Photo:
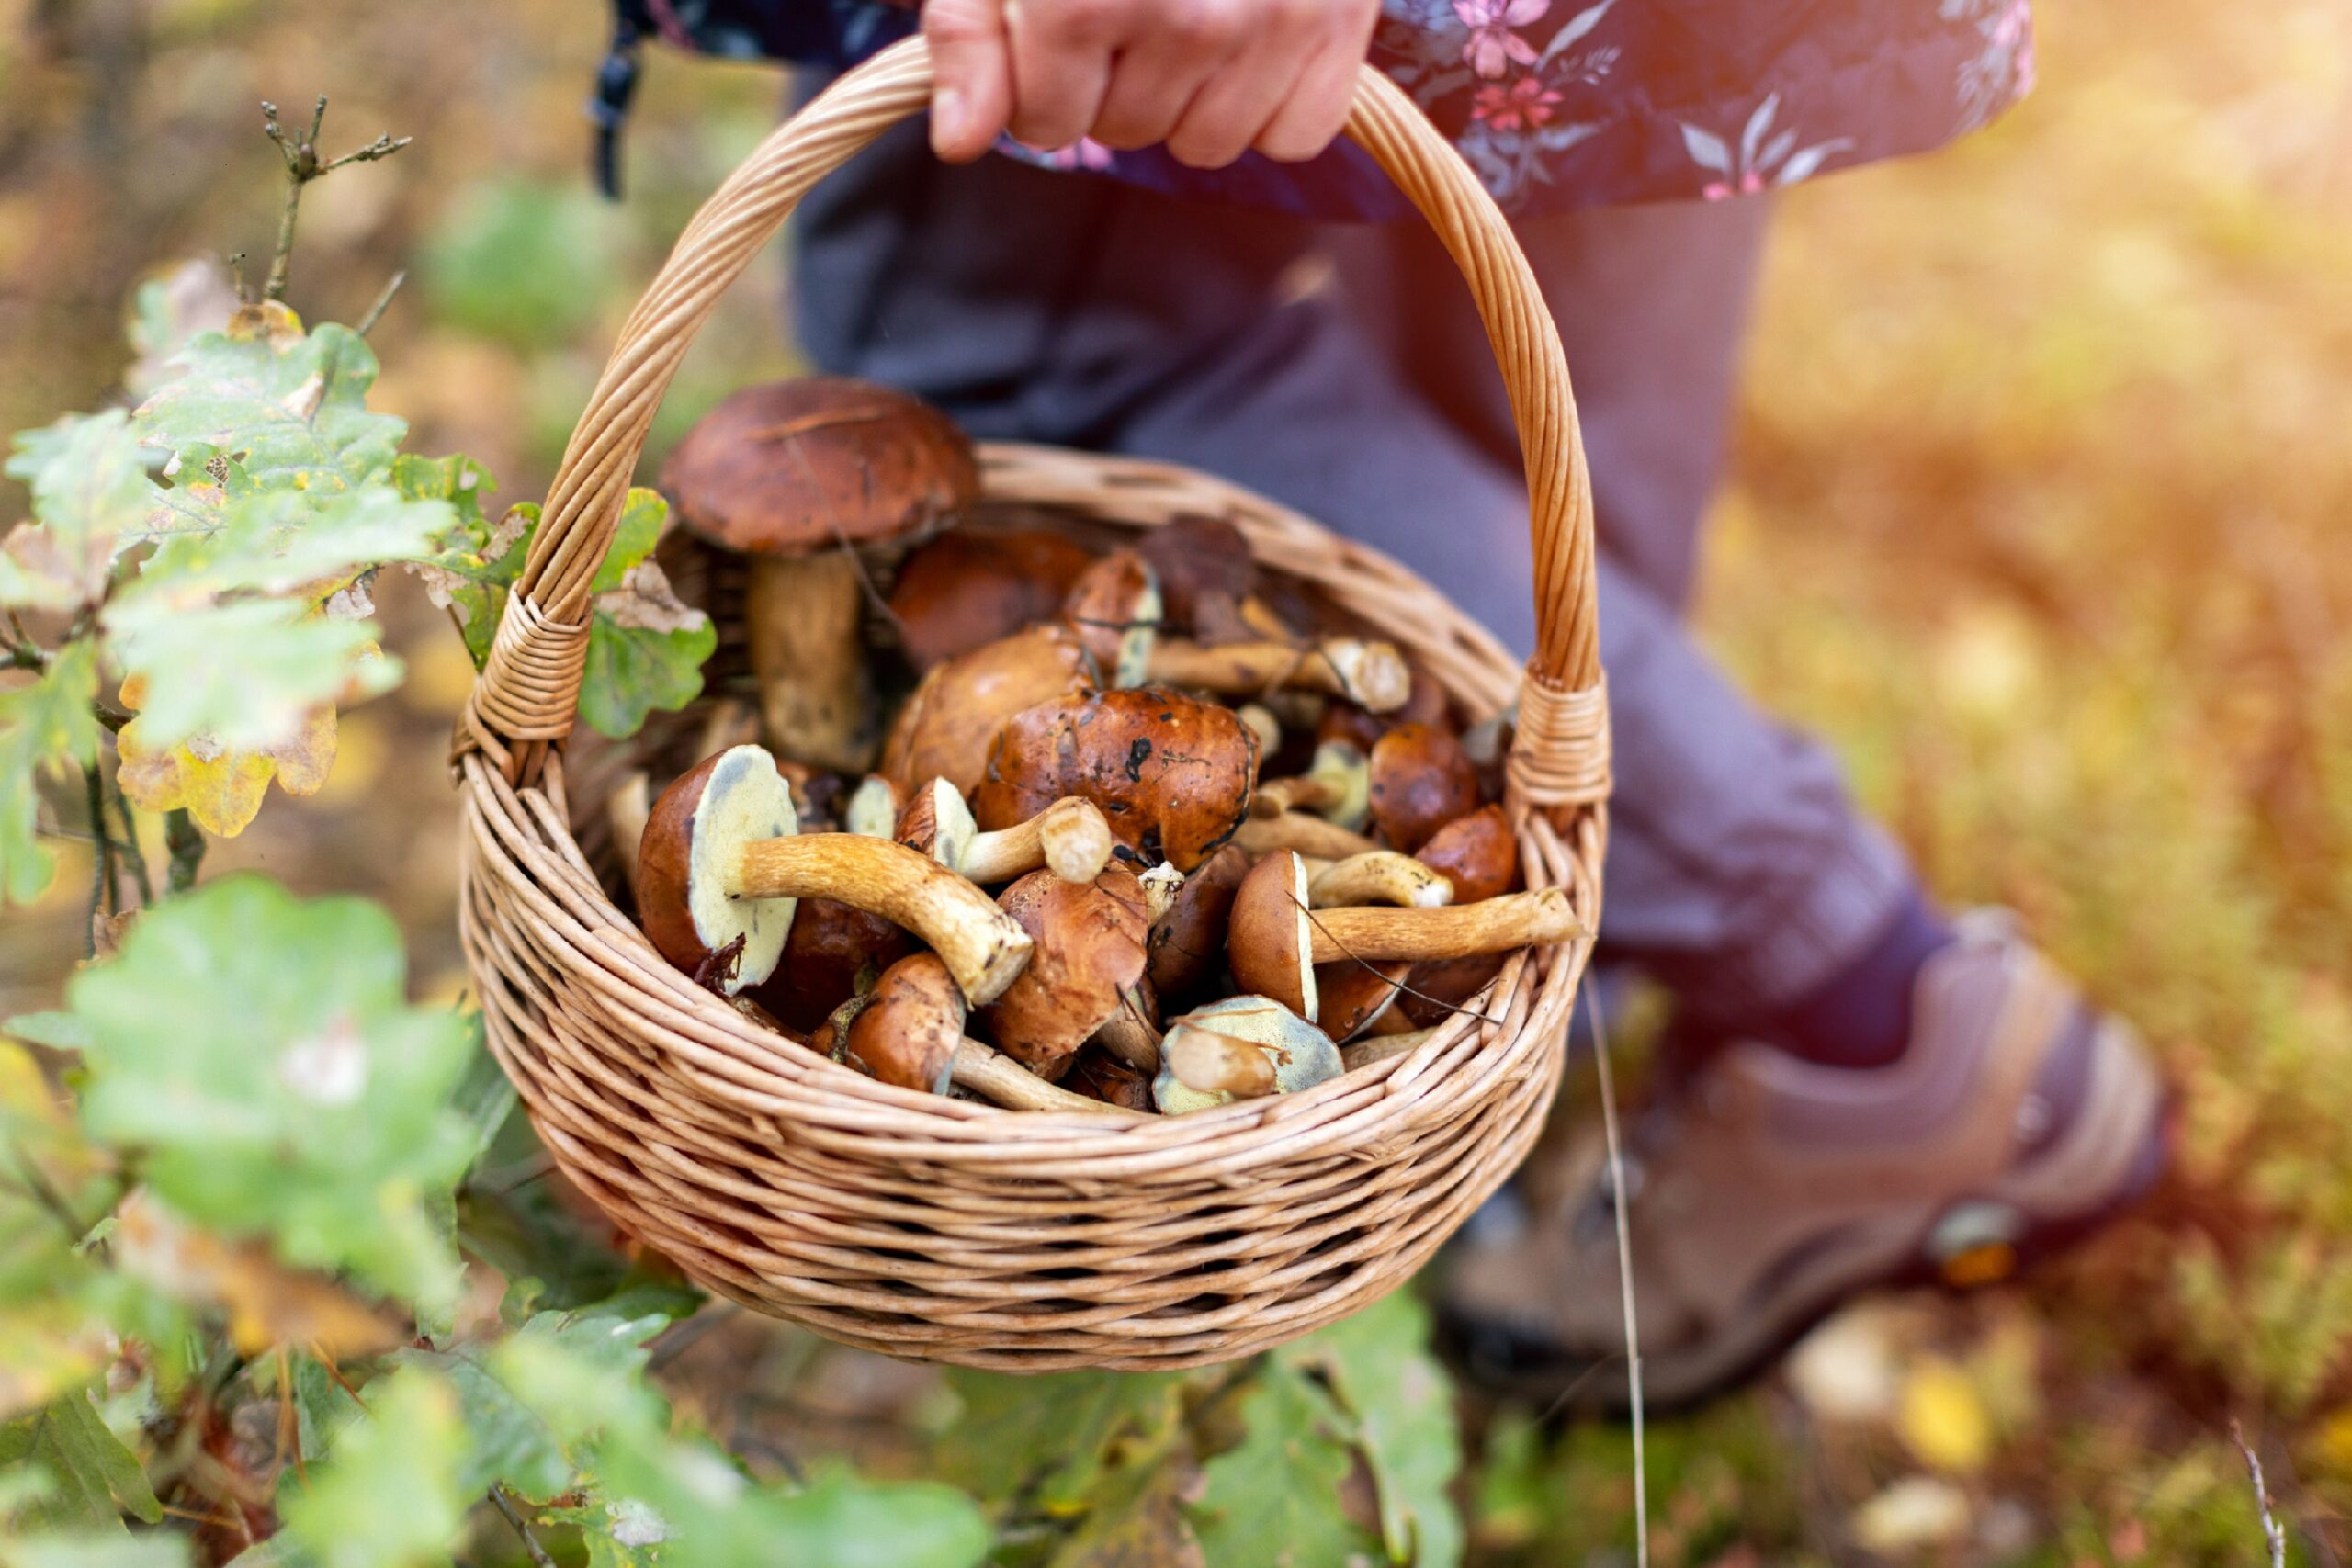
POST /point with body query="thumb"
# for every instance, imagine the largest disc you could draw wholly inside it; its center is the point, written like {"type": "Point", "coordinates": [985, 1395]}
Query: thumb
{"type": "Point", "coordinates": [971, 94]}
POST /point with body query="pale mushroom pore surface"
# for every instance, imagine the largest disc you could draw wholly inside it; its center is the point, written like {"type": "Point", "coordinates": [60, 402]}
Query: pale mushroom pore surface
{"type": "Point", "coordinates": [744, 800]}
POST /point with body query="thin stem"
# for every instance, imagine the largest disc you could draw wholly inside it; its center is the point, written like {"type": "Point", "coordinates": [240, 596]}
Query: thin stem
{"type": "Point", "coordinates": [531, 1547]}
{"type": "Point", "coordinates": [105, 896]}
{"type": "Point", "coordinates": [132, 854]}
{"type": "Point", "coordinates": [185, 840]}
{"type": "Point", "coordinates": [383, 302]}
{"type": "Point", "coordinates": [304, 165]}
{"type": "Point", "coordinates": [2274, 1536]}
{"type": "Point", "coordinates": [1624, 1272]}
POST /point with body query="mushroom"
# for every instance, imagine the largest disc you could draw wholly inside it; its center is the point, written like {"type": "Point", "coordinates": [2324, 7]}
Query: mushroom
{"type": "Point", "coordinates": [1372, 673]}
{"type": "Point", "coordinates": [722, 867]}
{"type": "Point", "coordinates": [1263, 725]}
{"type": "Point", "coordinates": [873, 808]}
{"type": "Point", "coordinates": [1088, 952]}
{"type": "Point", "coordinates": [1132, 1033]}
{"type": "Point", "coordinates": [1487, 745]}
{"type": "Point", "coordinates": [1336, 787]}
{"type": "Point", "coordinates": [909, 1030]}
{"type": "Point", "coordinates": [1343, 720]}
{"type": "Point", "coordinates": [967, 588]}
{"type": "Point", "coordinates": [1273, 940]}
{"type": "Point", "coordinates": [1170, 774]}
{"type": "Point", "coordinates": [947, 725]}
{"type": "Point", "coordinates": [1268, 940]}
{"type": "Point", "coordinates": [1479, 854]}
{"type": "Point", "coordinates": [1205, 576]}
{"type": "Point", "coordinates": [1114, 605]}
{"type": "Point", "coordinates": [803, 477]}
{"type": "Point", "coordinates": [1420, 782]}
{"type": "Point", "coordinates": [1099, 1075]}
{"type": "Point", "coordinates": [999, 1078]}
{"type": "Point", "coordinates": [1438, 989]}
{"type": "Point", "coordinates": [834, 953]}
{"type": "Point", "coordinates": [1307, 834]}
{"type": "Point", "coordinates": [1380, 1047]}
{"type": "Point", "coordinates": [624, 812]}
{"type": "Point", "coordinates": [1381, 876]}
{"type": "Point", "coordinates": [1301, 1054]}
{"type": "Point", "coordinates": [1188, 938]}
{"type": "Point", "coordinates": [1070, 838]}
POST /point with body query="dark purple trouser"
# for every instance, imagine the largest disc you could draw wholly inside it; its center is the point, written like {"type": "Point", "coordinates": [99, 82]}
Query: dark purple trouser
{"type": "Point", "coordinates": [1343, 371]}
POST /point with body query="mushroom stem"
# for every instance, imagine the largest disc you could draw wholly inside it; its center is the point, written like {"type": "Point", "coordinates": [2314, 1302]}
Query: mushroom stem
{"type": "Point", "coordinates": [1335, 786]}
{"type": "Point", "coordinates": [801, 617]}
{"type": "Point", "coordinates": [1128, 1034]}
{"type": "Point", "coordinates": [1458, 931]}
{"type": "Point", "coordinates": [982, 946]}
{"type": "Point", "coordinates": [1381, 876]}
{"type": "Point", "coordinates": [1009, 1084]}
{"type": "Point", "coordinates": [630, 805]}
{"type": "Point", "coordinates": [1070, 838]}
{"type": "Point", "coordinates": [1371, 674]}
{"type": "Point", "coordinates": [1310, 835]}
{"type": "Point", "coordinates": [1259, 720]}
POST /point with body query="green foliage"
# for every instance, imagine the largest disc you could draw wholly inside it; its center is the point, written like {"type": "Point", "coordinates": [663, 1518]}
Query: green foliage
{"type": "Point", "coordinates": [258, 1051]}
{"type": "Point", "coordinates": [1270, 1502]}
{"type": "Point", "coordinates": [46, 728]}
{"type": "Point", "coordinates": [389, 1495]}
{"type": "Point", "coordinates": [89, 485]}
{"type": "Point", "coordinates": [88, 1478]}
{"type": "Point", "coordinates": [525, 263]}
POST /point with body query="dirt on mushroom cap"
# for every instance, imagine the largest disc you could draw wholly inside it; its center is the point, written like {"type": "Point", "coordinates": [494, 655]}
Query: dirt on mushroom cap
{"type": "Point", "coordinates": [1172, 774]}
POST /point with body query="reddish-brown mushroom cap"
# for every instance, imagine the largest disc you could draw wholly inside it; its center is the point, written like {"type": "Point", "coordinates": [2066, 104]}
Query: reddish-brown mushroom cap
{"type": "Point", "coordinates": [1172, 774]}
{"type": "Point", "coordinates": [1116, 609]}
{"type": "Point", "coordinates": [1089, 948]}
{"type": "Point", "coordinates": [832, 944]}
{"type": "Point", "coordinates": [1098, 1075]}
{"type": "Point", "coordinates": [1269, 938]}
{"type": "Point", "coordinates": [1445, 986]}
{"type": "Point", "coordinates": [909, 1030]}
{"type": "Point", "coordinates": [965, 589]}
{"type": "Point", "coordinates": [947, 727]}
{"type": "Point", "coordinates": [795, 468]}
{"type": "Point", "coordinates": [1420, 782]}
{"type": "Point", "coordinates": [690, 923]}
{"type": "Point", "coordinates": [1188, 942]}
{"type": "Point", "coordinates": [1478, 853]}
{"type": "Point", "coordinates": [1205, 573]}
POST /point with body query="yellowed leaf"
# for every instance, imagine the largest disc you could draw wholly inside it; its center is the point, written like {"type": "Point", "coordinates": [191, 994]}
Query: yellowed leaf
{"type": "Point", "coordinates": [267, 1303]}
{"type": "Point", "coordinates": [1942, 1419]}
{"type": "Point", "coordinates": [220, 788]}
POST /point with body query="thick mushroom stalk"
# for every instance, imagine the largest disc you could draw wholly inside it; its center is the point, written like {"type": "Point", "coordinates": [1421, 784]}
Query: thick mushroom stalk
{"type": "Point", "coordinates": [1455, 930]}
{"type": "Point", "coordinates": [1337, 786]}
{"type": "Point", "coordinates": [1371, 674]}
{"type": "Point", "coordinates": [721, 867]}
{"type": "Point", "coordinates": [1382, 877]}
{"type": "Point", "coordinates": [1005, 1082]}
{"type": "Point", "coordinates": [1070, 838]}
{"type": "Point", "coordinates": [1304, 833]}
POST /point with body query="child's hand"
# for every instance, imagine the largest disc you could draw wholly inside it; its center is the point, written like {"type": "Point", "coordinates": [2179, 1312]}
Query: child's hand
{"type": "Point", "coordinates": [1211, 78]}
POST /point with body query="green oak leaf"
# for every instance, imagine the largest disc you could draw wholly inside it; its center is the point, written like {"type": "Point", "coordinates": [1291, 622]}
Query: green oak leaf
{"type": "Point", "coordinates": [1052, 1434]}
{"type": "Point", "coordinates": [645, 646]}
{"type": "Point", "coordinates": [45, 727]}
{"type": "Point", "coordinates": [1274, 1500]}
{"type": "Point", "coordinates": [291, 406]}
{"type": "Point", "coordinates": [390, 1494]}
{"type": "Point", "coordinates": [473, 561]}
{"type": "Point", "coordinates": [241, 676]}
{"type": "Point", "coordinates": [284, 543]}
{"type": "Point", "coordinates": [1378, 1363]}
{"type": "Point", "coordinates": [92, 1479]}
{"type": "Point", "coordinates": [90, 489]}
{"type": "Point", "coordinates": [158, 1549]}
{"type": "Point", "coordinates": [257, 1049]}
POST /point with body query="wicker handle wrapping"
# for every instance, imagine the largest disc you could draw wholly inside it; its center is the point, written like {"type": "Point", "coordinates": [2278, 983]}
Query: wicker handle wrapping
{"type": "Point", "coordinates": [529, 688]}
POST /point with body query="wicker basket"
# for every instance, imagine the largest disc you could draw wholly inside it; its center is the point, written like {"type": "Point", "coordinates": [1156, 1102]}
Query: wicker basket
{"type": "Point", "coordinates": [935, 1228]}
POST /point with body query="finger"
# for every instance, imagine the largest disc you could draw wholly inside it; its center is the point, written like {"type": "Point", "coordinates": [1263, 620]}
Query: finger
{"type": "Point", "coordinates": [1155, 77]}
{"type": "Point", "coordinates": [1061, 63]}
{"type": "Point", "coordinates": [1316, 109]}
{"type": "Point", "coordinates": [971, 91]}
{"type": "Point", "coordinates": [1226, 116]}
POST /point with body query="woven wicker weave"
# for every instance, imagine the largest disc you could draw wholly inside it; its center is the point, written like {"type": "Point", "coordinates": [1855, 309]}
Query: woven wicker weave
{"type": "Point", "coordinates": [932, 1227]}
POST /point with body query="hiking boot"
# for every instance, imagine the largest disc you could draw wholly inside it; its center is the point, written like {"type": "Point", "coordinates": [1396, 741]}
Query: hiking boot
{"type": "Point", "coordinates": [1763, 1191]}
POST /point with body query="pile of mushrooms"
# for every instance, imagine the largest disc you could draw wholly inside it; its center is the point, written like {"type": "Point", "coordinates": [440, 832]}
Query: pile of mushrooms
{"type": "Point", "coordinates": [1127, 832]}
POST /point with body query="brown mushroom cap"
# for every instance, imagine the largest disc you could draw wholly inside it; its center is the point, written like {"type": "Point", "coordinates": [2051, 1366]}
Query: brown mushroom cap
{"type": "Point", "coordinates": [1353, 996]}
{"type": "Point", "coordinates": [947, 728]}
{"type": "Point", "coordinates": [1115, 606]}
{"type": "Point", "coordinates": [1445, 986]}
{"type": "Point", "coordinates": [909, 1030]}
{"type": "Point", "coordinates": [1268, 940]}
{"type": "Point", "coordinates": [1188, 942]}
{"type": "Point", "coordinates": [1204, 566]}
{"type": "Point", "coordinates": [1171, 774]}
{"type": "Point", "coordinates": [1089, 949]}
{"type": "Point", "coordinates": [792, 468]}
{"type": "Point", "coordinates": [723, 800]}
{"type": "Point", "coordinates": [1098, 1075]}
{"type": "Point", "coordinates": [1420, 782]}
{"type": "Point", "coordinates": [964, 589]}
{"type": "Point", "coordinates": [1479, 854]}
{"type": "Point", "coordinates": [832, 946]}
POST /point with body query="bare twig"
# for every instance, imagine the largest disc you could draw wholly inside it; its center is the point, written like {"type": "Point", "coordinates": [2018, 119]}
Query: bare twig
{"type": "Point", "coordinates": [132, 854]}
{"type": "Point", "coordinates": [185, 840]}
{"type": "Point", "coordinates": [2273, 1533]}
{"type": "Point", "coordinates": [303, 164]}
{"type": "Point", "coordinates": [104, 895]}
{"type": "Point", "coordinates": [383, 301]}
{"type": "Point", "coordinates": [531, 1547]}
{"type": "Point", "coordinates": [1625, 1271]}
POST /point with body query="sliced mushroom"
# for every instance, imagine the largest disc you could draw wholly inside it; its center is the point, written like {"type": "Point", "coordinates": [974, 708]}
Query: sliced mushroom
{"type": "Point", "coordinates": [967, 588]}
{"type": "Point", "coordinates": [803, 477]}
{"type": "Point", "coordinates": [1479, 854]}
{"type": "Point", "coordinates": [908, 1031]}
{"type": "Point", "coordinates": [1170, 774]}
{"type": "Point", "coordinates": [722, 867]}
{"type": "Point", "coordinates": [1268, 941]}
{"type": "Point", "coordinates": [1302, 1054]}
{"type": "Point", "coordinates": [1188, 938]}
{"type": "Point", "coordinates": [1336, 787]}
{"type": "Point", "coordinates": [1088, 952]}
{"type": "Point", "coordinates": [1114, 605]}
{"type": "Point", "coordinates": [1070, 838]}
{"type": "Point", "coordinates": [947, 728]}
{"type": "Point", "coordinates": [1420, 782]}
{"type": "Point", "coordinates": [1372, 673]}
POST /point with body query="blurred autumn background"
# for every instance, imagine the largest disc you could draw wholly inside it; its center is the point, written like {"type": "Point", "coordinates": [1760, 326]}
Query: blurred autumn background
{"type": "Point", "coordinates": [2038, 510]}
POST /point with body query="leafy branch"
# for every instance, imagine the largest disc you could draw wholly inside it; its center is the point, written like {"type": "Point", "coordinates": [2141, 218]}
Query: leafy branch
{"type": "Point", "coordinates": [304, 164]}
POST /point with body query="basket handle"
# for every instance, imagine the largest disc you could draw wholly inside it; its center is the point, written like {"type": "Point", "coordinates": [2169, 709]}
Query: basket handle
{"type": "Point", "coordinates": [528, 690]}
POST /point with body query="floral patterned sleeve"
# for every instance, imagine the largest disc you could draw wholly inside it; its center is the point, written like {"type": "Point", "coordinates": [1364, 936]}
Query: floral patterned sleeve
{"type": "Point", "coordinates": [1556, 104]}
